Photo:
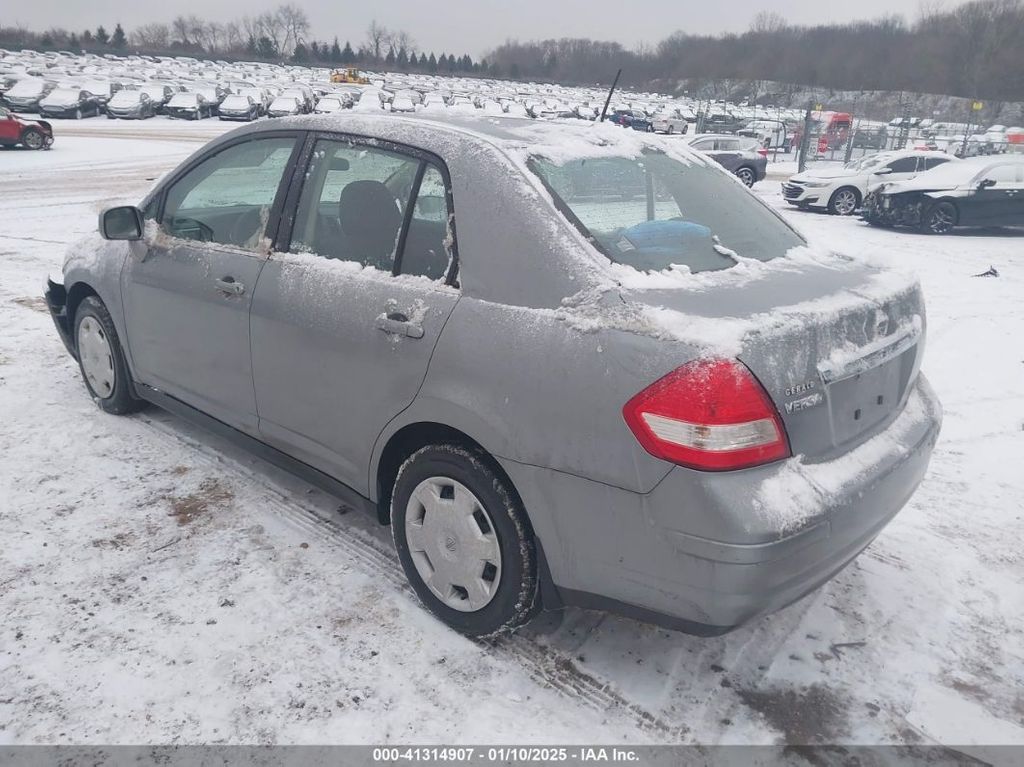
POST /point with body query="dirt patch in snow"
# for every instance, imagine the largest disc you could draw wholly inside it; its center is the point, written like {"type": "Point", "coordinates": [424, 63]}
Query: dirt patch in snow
{"type": "Point", "coordinates": [813, 714]}
{"type": "Point", "coordinates": [36, 303]}
{"type": "Point", "coordinates": [211, 493]}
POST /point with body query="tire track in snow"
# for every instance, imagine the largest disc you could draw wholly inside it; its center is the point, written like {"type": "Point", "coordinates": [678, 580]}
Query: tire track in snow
{"type": "Point", "coordinates": [546, 666]}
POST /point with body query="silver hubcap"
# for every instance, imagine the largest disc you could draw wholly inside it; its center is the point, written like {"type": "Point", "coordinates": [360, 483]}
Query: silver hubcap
{"type": "Point", "coordinates": [33, 141]}
{"type": "Point", "coordinates": [453, 544]}
{"type": "Point", "coordinates": [941, 220]}
{"type": "Point", "coordinates": [97, 359]}
{"type": "Point", "coordinates": [846, 203]}
{"type": "Point", "coordinates": [746, 176]}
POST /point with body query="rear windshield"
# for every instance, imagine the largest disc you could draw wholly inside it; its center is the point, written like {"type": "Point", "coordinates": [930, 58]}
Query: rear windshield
{"type": "Point", "coordinates": [654, 212]}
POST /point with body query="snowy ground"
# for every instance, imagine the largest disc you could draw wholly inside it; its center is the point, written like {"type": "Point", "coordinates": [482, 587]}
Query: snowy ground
{"type": "Point", "coordinates": [158, 585]}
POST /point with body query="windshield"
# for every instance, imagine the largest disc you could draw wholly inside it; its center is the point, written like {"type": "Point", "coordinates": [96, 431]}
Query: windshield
{"type": "Point", "coordinates": [654, 212]}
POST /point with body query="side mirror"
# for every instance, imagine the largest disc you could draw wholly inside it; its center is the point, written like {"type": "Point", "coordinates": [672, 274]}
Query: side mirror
{"type": "Point", "coordinates": [121, 223]}
{"type": "Point", "coordinates": [985, 183]}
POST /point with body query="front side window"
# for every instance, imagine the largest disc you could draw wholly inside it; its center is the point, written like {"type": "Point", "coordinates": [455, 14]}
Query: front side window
{"type": "Point", "coordinates": [653, 212]}
{"type": "Point", "coordinates": [356, 201]}
{"type": "Point", "coordinates": [903, 165]}
{"type": "Point", "coordinates": [227, 198]}
{"type": "Point", "coordinates": [1003, 174]}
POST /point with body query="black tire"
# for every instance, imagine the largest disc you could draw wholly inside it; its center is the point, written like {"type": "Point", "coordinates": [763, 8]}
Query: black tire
{"type": "Point", "coordinates": [120, 400]}
{"type": "Point", "coordinates": [33, 138]}
{"type": "Point", "coordinates": [939, 218]}
{"type": "Point", "coordinates": [747, 175]}
{"type": "Point", "coordinates": [838, 203]}
{"type": "Point", "coordinates": [516, 600]}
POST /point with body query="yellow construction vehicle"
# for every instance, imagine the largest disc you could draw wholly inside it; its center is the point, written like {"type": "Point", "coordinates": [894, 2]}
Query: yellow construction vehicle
{"type": "Point", "coordinates": [348, 75]}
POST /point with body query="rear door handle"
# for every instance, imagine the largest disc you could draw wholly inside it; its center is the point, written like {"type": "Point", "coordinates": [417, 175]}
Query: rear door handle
{"type": "Point", "coordinates": [400, 325]}
{"type": "Point", "coordinates": [229, 286]}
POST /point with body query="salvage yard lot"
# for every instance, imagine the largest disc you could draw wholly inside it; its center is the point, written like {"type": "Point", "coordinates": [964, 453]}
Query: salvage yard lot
{"type": "Point", "coordinates": [158, 585]}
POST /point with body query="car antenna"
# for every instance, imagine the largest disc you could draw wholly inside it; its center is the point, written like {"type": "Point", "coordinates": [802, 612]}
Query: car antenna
{"type": "Point", "coordinates": [608, 100]}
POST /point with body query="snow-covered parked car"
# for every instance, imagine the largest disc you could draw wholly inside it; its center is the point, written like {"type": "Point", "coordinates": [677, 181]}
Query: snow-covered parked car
{"type": "Point", "coordinates": [670, 121]}
{"type": "Point", "coordinates": [841, 189]}
{"type": "Point", "coordinates": [636, 389]}
{"type": "Point", "coordinates": [285, 106]}
{"type": "Point", "coordinates": [240, 108]}
{"type": "Point", "coordinates": [980, 191]}
{"type": "Point", "coordinates": [25, 95]}
{"type": "Point", "coordinates": [189, 105]}
{"type": "Point", "coordinates": [74, 103]}
{"type": "Point", "coordinates": [131, 105]}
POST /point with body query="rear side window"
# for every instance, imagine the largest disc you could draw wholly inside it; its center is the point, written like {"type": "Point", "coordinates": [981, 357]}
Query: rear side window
{"type": "Point", "coordinates": [227, 198]}
{"type": "Point", "coordinates": [1003, 174]}
{"type": "Point", "coordinates": [654, 212]}
{"type": "Point", "coordinates": [375, 207]}
{"type": "Point", "coordinates": [934, 162]}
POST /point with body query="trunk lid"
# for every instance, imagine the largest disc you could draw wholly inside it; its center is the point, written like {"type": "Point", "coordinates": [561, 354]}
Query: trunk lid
{"type": "Point", "coordinates": [837, 348]}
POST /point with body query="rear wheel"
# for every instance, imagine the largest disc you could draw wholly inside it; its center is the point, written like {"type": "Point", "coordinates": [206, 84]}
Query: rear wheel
{"type": "Point", "coordinates": [101, 359]}
{"type": "Point", "coordinates": [940, 218]}
{"type": "Point", "coordinates": [33, 138]}
{"type": "Point", "coordinates": [78, 114]}
{"type": "Point", "coordinates": [844, 201]}
{"type": "Point", "coordinates": [464, 541]}
{"type": "Point", "coordinates": [746, 175]}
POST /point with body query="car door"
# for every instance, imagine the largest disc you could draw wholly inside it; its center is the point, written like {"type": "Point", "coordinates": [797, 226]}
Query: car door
{"type": "Point", "coordinates": [994, 197]}
{"type": "Point", "coordinates": [10, 129]}
{"type": "Point", "coordinates": [345, 319]}
{"type": "Point", "coordinates": [187, 286]}
{"type": "Point", "coordinates": [727, 153]}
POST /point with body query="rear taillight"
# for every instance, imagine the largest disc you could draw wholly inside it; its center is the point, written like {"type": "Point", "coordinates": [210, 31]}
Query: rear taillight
{"type": "Point", "coordinates": [709, 414]}
{"type": "Point", "coordinates": [763, 151]}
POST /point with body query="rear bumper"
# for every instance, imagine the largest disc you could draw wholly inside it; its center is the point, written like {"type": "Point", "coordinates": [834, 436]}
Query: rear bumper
{"type": "Point", "coordinates": [56, 301]}
{"type": "Point", "coordinates": [701, 553]}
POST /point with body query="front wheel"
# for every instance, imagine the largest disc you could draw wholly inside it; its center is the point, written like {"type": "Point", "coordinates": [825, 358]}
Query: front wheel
{"type": "Point", "coordinates": [33, 139]}
{"type": "Point", "coordinates": [101, 359]}
{"type": "Point", "coordinates": [844, 202]}
{"type": "Point", "coordinates": [746, 175]}
{"type": "Point", "coordinates": [464, 541]}
{"type": "Point", "coordinates": [940, 218]}
{"type": "Point", "coordinates": [78, 114]}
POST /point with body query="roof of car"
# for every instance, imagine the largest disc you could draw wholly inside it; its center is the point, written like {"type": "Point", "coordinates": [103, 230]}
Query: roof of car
{"type": "Point", "coordinates": [507, 133]}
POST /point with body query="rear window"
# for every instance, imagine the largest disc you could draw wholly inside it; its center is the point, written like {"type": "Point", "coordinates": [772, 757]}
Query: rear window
{"type": "Point", "coordinates": [654, 212]}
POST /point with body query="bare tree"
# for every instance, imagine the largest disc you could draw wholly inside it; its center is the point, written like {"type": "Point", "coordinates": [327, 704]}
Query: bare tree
{"type": "Point", "coordinates": [155, 37]}
{"type": "Point", "coordinates": [768, 22]}
{"type": "Point", "coordinates": [295, 23]}
{"type": "Point", "coordinates": [376, 38]}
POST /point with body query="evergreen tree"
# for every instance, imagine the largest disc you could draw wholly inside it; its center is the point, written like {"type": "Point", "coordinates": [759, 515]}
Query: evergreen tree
{"type": "Point", "coordinates": [432, 63]}
{"type": "Point", "coordinates": [118, 40]}
{"type": "Point", "coordinates": [101, 35]}
{"type": "Point", "coordinates": [73, 41]}
{"type": "Point", "coordinates": [266, 48]}
{"type": "Point", "coordinates": [414, 61]}
{"type": "Point", "coordinates": [389, 60]}
{"type": "Point", "coordinates": [87, 38]}
{"type": "Point", "coordinates": [335, 51]}
{"type": "Point", "coordinates": [348, 56]}
{"type": "Point", "coordinates": [250, 45]}
{"type": "Point", "coordinates": [300, 55]}
{"type": "Point", "coordinates": [402, 60]}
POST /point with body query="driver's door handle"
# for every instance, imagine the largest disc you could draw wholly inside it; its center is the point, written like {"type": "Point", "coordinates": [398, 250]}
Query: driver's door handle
{"type": "Point", "coordinates": [229, 286]}
{"type": "Point", "coordinates": [400, 325]}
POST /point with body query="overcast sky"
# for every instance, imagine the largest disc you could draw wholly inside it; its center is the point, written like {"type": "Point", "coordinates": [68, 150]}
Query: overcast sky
{"type": "Point", "coordinates": [470, 26]}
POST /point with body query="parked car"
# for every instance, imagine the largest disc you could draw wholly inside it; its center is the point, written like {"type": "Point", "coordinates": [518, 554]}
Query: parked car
{"type": "Point", "coordinates": [398, 352]}
{"type": "Point", "coordinates": [131, 105]}
{"type": "Point", "coordinates": [70, 102]}
{"type": "Point", "coordinates": [189, 106]}
{"type": "Point", "coordinates": [285, 106]}
{"type": "Point", "coordinates": [631, 118]}
{"type": "Point", "coordinates": [331, 104]}
{"type": "Point", "coordinates": [16, 130]}
{"type": "Point", "coordinates": [159, 94]}
{"type": "Point", "coordinates": [768, 133]}
{"type": "Point", "coordinates": [742, 156]}
{"type": "Point", "coordinates": [981, 191]}
{"type": "Point", "coordinates": [669, 122]}
{"type": "Point", "coordinates": [25, 95]}
{"type": "Point", "coordinates": [242, 108]}
{"type": "Point", "coordinates": [870, 138]}
{"type": "Point", "coordinates": [841, 189]}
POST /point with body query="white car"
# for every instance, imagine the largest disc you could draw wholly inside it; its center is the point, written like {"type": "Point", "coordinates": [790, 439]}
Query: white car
{"type": "Point", "coordinates": [840, 190]}
{"type": "Point", "coordinates": [670, 122]}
